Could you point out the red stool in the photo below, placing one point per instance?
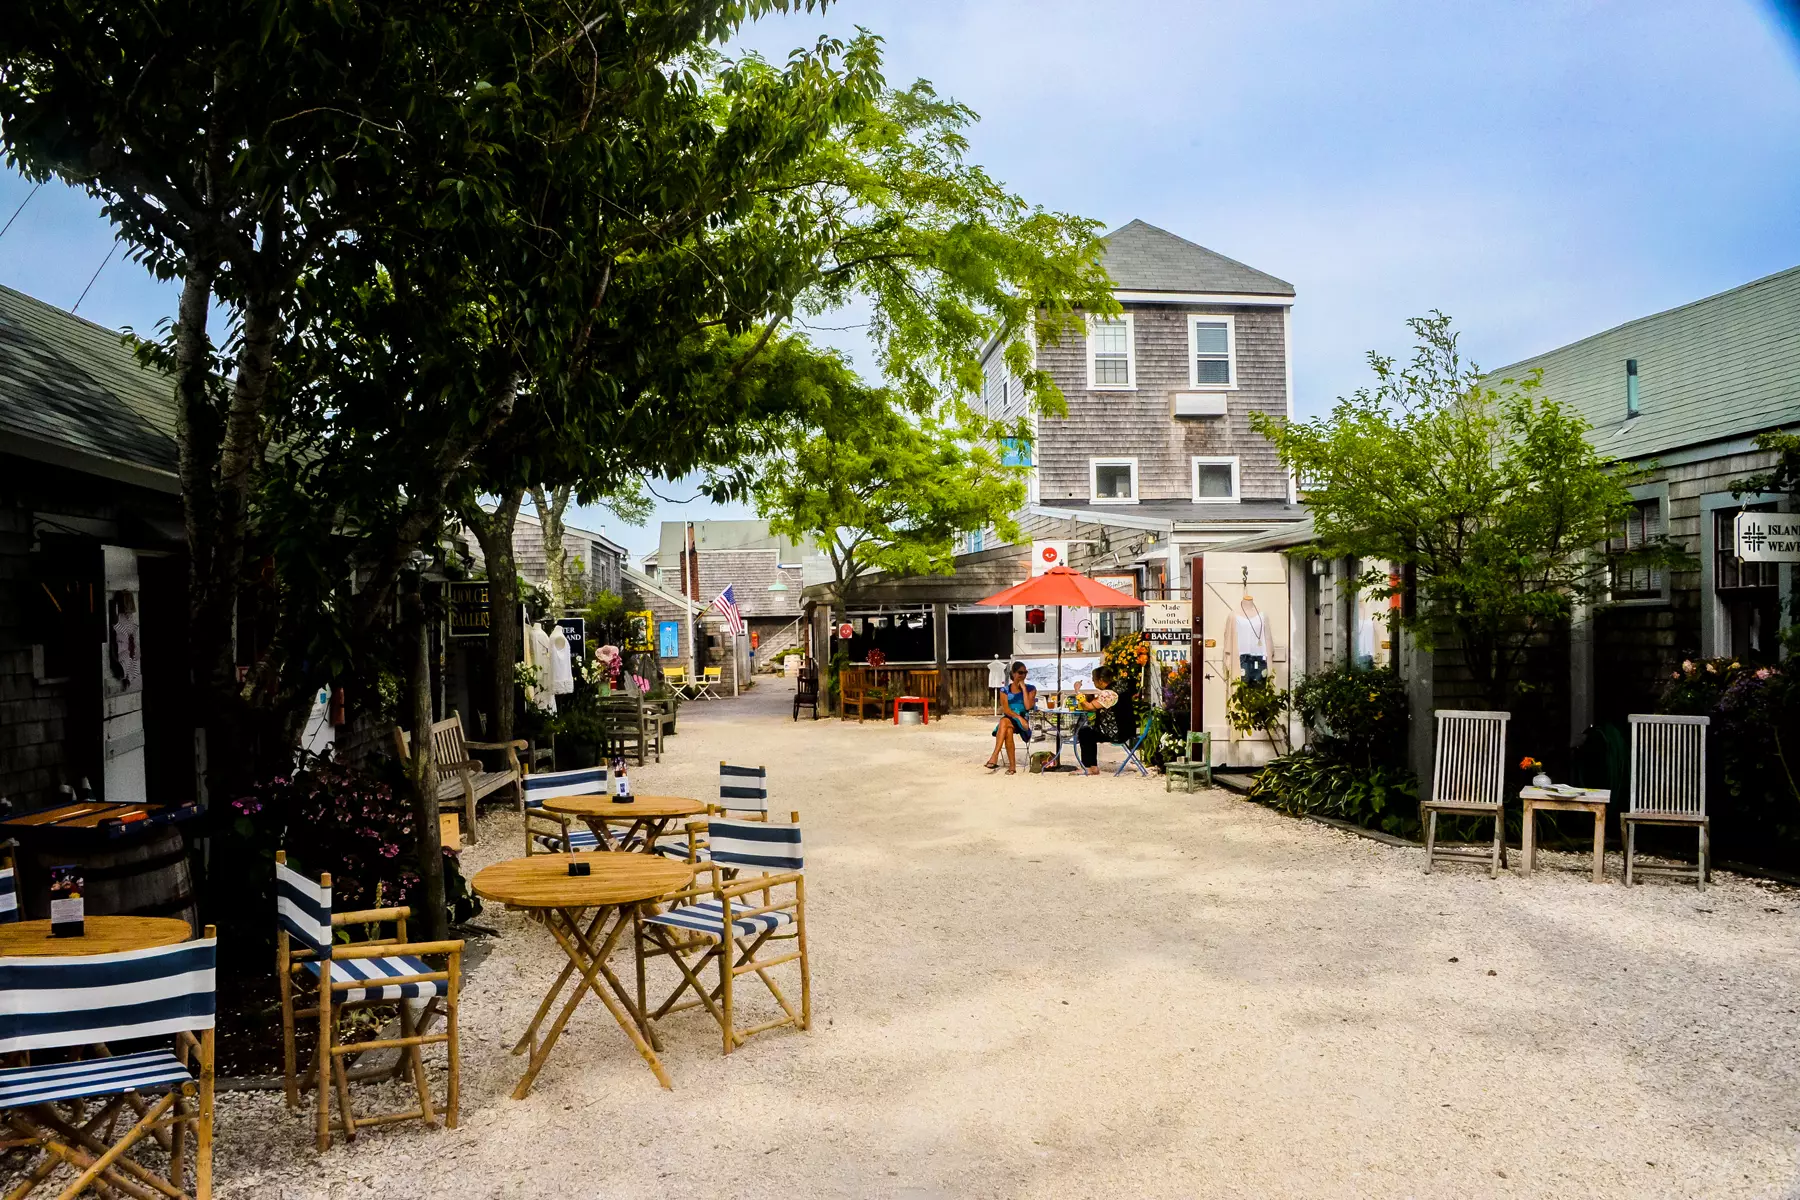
(922, 702)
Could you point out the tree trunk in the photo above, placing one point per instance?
(550, 510)
(495, 533)
(424, 773)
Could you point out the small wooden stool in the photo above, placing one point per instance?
(923, 703)
(1592, 801)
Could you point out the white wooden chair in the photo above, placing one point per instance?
(1668, 787)
(1468, 779)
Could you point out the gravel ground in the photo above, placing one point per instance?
(1058, 986)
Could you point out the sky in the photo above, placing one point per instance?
(1539, 171)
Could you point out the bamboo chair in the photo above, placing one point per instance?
(558, 833)
(723, 923)
(1668, 787)
(743, 792)
(362, 975)
(1468, 778)
(71, 1110)
(9, 890)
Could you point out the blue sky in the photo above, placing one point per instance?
(1540, 171)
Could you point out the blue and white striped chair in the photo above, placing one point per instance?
(743, 792)
(379, 971)
(556, 833)
(732, 919)
(9, 891)
(87, 1000)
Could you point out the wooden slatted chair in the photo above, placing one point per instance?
(462, 781)
(1468, 779)
(729, 921)
(743, 793)
(362, 974)
(1668, 787)
(806, 689)
(89, 1001)
(557, 833)
(9, 890)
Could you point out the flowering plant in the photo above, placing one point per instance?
(877, 658)
(1529, 763)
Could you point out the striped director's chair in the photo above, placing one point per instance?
(557, 833)
(729, 921)
(71, 1110)
(9, 890)
(361, 975)
(743, 793)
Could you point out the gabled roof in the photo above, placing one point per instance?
(73, 394)
(1719, 368)
(1142, 258)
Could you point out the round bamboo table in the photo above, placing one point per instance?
(617, 884)
(101, 935)
(647, 816)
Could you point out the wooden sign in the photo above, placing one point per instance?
(470, 612)
(1768, 537)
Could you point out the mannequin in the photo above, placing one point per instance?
(1249, 641)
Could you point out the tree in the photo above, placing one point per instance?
(880, 490)
(1486, 492)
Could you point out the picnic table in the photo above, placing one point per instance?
(646, 816)
(618, 883)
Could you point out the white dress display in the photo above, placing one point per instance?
(537, 654)
(562, 672)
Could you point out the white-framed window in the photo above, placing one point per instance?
(1111, 354)
(1112, 480)
(1215, 480)
(1212, 351)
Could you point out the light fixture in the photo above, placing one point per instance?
(778, 586)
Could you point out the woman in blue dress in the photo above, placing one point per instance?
(1014, 727)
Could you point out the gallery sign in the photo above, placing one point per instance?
(469, 611)
(1768, 537)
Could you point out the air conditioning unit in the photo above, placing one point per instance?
(1199, 404)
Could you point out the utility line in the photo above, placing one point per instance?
(84, 291)
(20, 209)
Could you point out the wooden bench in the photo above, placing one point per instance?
(461, 779)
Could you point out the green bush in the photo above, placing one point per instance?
(1315, 782)
(1260, 708)
(1355, 716)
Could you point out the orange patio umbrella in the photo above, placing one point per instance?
(1060, 586)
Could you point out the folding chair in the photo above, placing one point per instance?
(361, 975)
(1187, 768)
(722, 923)
(9, 890)
(743, 791)
(91, 1000)
(1131, 753)
(1468, 779)
(558, 833)
(1668, 787)
(709, 677)
(677, 679)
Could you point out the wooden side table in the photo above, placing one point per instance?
(1591, 800)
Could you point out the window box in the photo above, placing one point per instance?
(1199, 404)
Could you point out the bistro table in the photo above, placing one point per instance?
(100, 935)
(618, 883)
(647, 816)
(1062, 719)
(1587, 800)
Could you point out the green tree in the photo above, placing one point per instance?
(878, 489)
(1486, 492)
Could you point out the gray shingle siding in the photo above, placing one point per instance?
(1141, 424)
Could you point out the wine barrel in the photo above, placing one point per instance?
(148, 876)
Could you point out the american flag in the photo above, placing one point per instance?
(726, 603)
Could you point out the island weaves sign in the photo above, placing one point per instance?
(1768, 537)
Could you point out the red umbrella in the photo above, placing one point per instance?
(1060, 586)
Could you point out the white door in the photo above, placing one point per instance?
(122, 682)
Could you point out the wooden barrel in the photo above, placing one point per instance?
(142, 877)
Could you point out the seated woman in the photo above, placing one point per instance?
(1089, 736)
(1021, 698)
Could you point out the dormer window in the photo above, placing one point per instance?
(1112, 359)
(1212, 352)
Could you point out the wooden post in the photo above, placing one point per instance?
(1197, 646)
(425, 777)
(940, 645)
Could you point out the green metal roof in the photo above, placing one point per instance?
(1719, 368)
(70, 390)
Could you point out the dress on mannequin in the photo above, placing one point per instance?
(1252, 642)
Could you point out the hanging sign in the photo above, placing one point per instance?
(575, 630)
(1169, 628)
(1047, 554)
(1121, 581)
(844, 632)
(468, 608)
(1768, 537)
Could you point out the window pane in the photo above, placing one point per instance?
(1111, 372)
(1113, 482)
(1109, 337)
(1209, 338)
(1214, 481)
(1212, 370)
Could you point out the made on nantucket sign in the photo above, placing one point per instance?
(1768, 537)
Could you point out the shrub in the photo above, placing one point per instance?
(1312, 781)
(1753, 754)
(1260, 708)
(1356, 716)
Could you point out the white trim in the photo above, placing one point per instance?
(1094, 465)
(1287, 385)
(1202, 298)
(1200, 460)
(1130, 384)
(1231, 375)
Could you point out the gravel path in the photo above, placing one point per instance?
(1056, 986)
